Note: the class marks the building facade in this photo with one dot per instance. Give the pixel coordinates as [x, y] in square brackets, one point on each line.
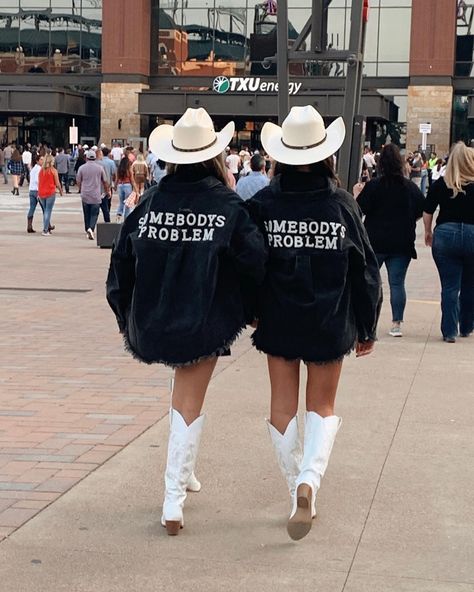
[121, 67]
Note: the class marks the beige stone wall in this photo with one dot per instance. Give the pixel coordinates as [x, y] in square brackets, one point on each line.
[119, 100]
[430, 104]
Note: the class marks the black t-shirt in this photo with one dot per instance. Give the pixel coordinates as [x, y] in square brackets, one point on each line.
[391, 208]
[451, 209]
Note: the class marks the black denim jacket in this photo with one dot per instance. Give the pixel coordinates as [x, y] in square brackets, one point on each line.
[184, 271]
[322, 291]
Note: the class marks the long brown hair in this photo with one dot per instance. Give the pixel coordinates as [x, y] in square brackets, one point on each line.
[215, 167]
[124, 168]
[324, 168]
[16, 156]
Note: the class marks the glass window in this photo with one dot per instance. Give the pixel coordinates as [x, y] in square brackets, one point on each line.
[53, 36]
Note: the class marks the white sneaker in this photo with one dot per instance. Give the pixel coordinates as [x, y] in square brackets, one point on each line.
[396, 331]
[118, 219]
[90, 234]
[46, 233]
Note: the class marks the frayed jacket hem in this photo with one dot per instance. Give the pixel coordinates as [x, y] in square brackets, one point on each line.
[303, 358]
[171, 364]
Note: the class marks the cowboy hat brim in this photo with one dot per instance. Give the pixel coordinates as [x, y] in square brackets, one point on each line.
[271, 138]
[161, 144]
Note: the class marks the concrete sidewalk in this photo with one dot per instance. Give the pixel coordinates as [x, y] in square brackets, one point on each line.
[396, 509]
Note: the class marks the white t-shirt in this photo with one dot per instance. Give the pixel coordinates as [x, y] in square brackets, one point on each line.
[26, 157]
[34, 175]
[117, 153]
[233, 162]
[435, 174]
[369, 160]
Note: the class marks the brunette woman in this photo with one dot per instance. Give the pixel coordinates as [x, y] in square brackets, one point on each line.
[186, 255]
[320, 298]
[392, 204]
[125, 183]
[16, 169]
[48, 182]
[452, 241]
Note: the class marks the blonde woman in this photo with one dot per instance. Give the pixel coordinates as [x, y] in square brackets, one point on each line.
[48, 182]
[140, 174]
[197, 237]
[452, 241]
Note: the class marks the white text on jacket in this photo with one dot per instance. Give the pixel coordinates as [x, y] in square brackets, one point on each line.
[304, 233]
[179, 227]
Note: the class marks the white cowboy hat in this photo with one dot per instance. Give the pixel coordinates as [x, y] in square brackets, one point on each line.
[303, 137]
[192, 139]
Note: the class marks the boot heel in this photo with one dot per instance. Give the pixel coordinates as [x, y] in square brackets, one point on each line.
[173, 527]
[300, 522]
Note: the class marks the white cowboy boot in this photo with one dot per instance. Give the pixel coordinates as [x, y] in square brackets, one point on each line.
[320, 434]
[183, 446]
[193, 484]
[288, 451]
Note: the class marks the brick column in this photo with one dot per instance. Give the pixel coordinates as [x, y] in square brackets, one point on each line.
[125, 66]
[432, 57]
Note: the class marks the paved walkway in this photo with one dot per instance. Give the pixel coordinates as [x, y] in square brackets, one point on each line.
[395, 509]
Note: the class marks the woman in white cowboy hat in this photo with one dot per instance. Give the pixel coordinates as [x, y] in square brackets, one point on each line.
[181, 281]
[320, 299]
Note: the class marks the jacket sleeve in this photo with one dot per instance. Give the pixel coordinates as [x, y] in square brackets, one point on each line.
[365, 198]
[249, 253]
[247, 247]
[366, 285]
[121, 278]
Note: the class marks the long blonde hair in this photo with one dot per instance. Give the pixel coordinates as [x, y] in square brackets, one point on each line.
[460, 168]
[48, 162]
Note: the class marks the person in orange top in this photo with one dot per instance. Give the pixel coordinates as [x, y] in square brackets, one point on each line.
[48, 182]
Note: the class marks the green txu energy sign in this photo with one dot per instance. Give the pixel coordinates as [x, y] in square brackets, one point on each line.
[222, 84]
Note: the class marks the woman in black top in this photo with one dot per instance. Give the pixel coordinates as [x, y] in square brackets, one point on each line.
[319, 300]
[453, 241]
[392, 205]
[181, 281]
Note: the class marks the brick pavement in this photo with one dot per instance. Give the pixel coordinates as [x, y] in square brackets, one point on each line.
[70, 397]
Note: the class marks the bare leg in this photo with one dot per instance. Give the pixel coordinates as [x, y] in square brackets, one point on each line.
[321, 387]
[285, 380]
[190, 386]
[16, 181]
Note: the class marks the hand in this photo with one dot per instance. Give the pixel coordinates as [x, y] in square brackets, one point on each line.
[254, 323]
[428, 238]
[364, 348]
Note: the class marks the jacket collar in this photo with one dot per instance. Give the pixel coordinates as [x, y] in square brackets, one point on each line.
[173, 184]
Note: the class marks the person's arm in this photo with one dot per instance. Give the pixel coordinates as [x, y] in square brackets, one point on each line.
[56, 181]
[132, 179]
[366, 287]
[79, 179]
[104, 182]
[428, 222]
[121, 278]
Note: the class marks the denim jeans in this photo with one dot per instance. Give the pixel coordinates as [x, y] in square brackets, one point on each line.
[105, 207]
[397, 266]
[64, 180]
[47, 204]
[33, 203]
[123, 191]
[453, 252]
[424, 181]
[91, 213]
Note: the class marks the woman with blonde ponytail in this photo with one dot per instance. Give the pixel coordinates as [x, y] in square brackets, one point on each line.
[452, 241]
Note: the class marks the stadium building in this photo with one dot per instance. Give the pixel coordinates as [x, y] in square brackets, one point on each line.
[119, 67]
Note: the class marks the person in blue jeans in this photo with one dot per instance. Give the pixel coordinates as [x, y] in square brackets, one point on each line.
[452, 241]
[392, 204]
[125, 182]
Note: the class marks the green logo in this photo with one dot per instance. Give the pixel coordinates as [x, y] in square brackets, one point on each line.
[221, 84]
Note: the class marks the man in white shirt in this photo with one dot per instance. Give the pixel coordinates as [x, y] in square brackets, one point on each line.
[234, 163]
[117, 154]
[26, 158]
[369, 161]
[248, 186]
